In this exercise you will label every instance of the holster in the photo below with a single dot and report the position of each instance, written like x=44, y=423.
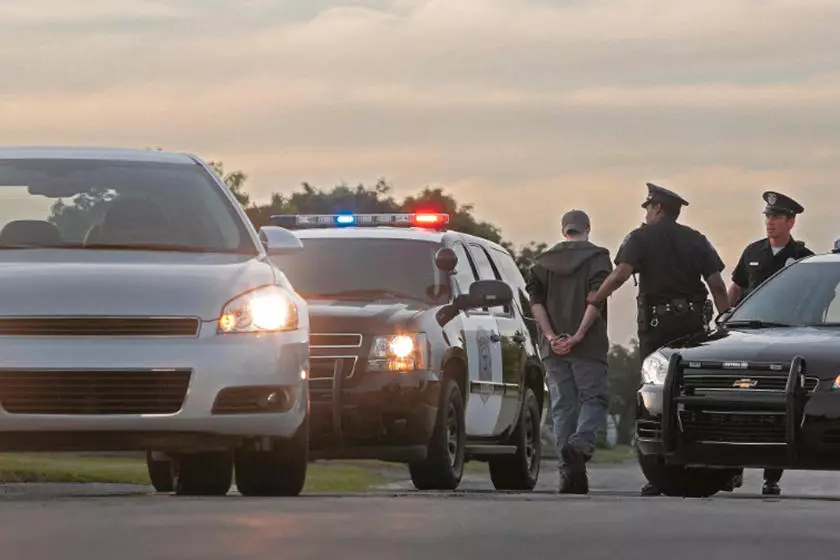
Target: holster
x=644, y=314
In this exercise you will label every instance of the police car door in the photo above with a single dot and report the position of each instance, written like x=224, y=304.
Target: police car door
x=484, y=357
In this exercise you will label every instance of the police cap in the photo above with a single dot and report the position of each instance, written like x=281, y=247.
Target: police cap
x=779, y=204
x=657, y=194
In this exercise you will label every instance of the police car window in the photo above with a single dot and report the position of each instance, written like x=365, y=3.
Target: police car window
x=367, y=269
x=801, y=294
x=486, y=271
x=464, y=273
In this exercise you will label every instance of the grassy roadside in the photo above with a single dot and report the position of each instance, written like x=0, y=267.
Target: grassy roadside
x=61, y=467
x=333, y=476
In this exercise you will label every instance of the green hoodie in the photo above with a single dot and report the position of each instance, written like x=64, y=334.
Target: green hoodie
x=561, y=278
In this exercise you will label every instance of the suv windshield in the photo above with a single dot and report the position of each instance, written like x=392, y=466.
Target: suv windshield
x=100, y=204
x=367, y=269
x=802, y=294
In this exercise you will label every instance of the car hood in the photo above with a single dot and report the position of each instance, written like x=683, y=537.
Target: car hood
x=819, y=346
x=92, y=282
x=348, y=316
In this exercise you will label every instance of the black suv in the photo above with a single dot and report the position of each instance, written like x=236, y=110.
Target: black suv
x=422, y=347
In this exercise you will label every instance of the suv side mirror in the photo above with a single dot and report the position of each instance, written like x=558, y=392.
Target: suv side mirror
x=279, y=241
x=483, y=293
x=721, y=317
x=446, y=260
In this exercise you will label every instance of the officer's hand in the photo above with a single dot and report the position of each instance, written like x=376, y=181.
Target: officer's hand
x=590, y=299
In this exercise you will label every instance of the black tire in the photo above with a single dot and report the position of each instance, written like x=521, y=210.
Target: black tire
x=160, y=473
x=443, y=467
x=521, y=471
x=203, y=474
x=279, y=472
x=686, y=482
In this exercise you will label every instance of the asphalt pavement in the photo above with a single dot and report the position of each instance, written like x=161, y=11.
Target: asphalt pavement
x=93, y=522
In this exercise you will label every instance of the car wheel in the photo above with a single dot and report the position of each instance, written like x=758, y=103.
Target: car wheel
x=443, y=467
x=279, y=472
x=203, y=474
x=160, y=473
x=521, y=471
x=687, y=482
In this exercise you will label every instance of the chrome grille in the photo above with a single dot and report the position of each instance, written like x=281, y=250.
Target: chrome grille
x=99, y=326
x=742, y=381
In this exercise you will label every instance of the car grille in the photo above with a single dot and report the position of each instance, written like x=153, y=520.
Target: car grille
x=337, y=340
x=733, y=427
x=95, y=392
x=324, y=368
x=712, y=381
x=98, y=326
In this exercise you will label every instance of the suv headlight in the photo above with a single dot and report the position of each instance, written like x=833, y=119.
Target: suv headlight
x=655, y=369
x=399, y=352
x=266, y=309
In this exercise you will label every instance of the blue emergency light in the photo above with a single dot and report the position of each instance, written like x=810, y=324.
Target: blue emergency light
x=300, y=221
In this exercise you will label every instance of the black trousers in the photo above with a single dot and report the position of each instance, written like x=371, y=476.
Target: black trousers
x=670, y=327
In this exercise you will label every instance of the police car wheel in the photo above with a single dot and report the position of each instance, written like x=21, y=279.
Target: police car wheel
x=160, y=472
x=203, y=474
x=443, y=467
x=521, y=471
x=675, y=480
x=279, y=472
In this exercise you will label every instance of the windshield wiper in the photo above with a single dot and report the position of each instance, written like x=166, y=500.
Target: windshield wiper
x=365, y=294
x=755, y=324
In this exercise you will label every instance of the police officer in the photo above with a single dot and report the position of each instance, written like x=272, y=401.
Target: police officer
x=760, y=260
x=672, y=260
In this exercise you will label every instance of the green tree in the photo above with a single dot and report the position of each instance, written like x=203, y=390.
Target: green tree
x=235, y=181
x=624, y=378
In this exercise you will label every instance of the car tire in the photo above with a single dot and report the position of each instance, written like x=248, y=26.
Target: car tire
x=679, y=481
x=279, y=472
x=443, y=467
x=203, y=474
x=160, y=473
x=521, y=471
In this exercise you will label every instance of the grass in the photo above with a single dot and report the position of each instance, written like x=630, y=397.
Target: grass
x=61, y=467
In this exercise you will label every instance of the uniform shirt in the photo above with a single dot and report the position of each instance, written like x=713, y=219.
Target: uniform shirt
x=672, y=261
x=758, y=262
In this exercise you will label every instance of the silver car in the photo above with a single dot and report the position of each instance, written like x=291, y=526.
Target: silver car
x=139, y=310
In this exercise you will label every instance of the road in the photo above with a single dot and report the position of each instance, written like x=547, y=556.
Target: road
x=40, y=522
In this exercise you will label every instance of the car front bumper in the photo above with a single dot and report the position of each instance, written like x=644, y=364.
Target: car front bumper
x=99, y=394
x=384, y=415
x=794, y=429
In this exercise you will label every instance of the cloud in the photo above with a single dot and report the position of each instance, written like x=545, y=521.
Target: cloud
x=522, y=107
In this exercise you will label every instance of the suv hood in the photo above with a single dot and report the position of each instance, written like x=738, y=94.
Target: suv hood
x=95, y=282
x=819, y=346
x=350, y=316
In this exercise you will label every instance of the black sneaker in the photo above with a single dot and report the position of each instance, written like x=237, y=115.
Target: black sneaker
x=650, y=490
x=576, y=469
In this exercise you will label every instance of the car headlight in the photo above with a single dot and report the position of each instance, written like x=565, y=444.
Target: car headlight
x=399, y=352
x=266, y=309
x=655, y=369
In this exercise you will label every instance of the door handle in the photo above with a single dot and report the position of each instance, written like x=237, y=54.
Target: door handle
x=519, y=338
x=495, y=337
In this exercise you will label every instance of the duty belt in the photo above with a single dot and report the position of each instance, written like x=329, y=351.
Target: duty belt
x=674, y=307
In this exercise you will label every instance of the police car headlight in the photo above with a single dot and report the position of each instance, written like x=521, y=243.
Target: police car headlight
x=654, y=369
x=399, y=352
x=266, y=309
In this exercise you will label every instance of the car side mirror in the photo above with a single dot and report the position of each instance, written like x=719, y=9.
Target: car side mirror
x=279, y=241
x=483, y=293
x=722, y=317
x=446, y=260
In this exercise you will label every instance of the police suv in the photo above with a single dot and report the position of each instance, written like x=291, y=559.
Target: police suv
x=422, y=347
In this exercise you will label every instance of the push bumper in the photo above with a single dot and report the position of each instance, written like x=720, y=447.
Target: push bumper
x=382, y=415
x=795, y=427
x=114, y=394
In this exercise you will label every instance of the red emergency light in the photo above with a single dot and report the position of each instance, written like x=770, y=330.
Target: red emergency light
x=429, y=220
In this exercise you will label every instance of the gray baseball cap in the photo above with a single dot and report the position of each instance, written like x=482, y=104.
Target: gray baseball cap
x=575, y=221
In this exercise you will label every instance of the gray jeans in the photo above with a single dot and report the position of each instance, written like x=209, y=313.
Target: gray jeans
x=579, y=402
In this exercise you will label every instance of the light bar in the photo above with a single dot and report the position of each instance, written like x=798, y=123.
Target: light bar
x=421, y=220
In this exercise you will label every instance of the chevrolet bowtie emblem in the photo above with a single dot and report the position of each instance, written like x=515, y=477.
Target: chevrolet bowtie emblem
x=745, y=384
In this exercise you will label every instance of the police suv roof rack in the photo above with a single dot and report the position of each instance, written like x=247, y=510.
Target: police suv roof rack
x=431, y=220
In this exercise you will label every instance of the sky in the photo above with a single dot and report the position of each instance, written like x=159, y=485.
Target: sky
x=523, y=108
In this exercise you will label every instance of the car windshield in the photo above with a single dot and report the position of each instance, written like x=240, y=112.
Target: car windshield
x=802, y=294
x=102, y=204
x=367, y=269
